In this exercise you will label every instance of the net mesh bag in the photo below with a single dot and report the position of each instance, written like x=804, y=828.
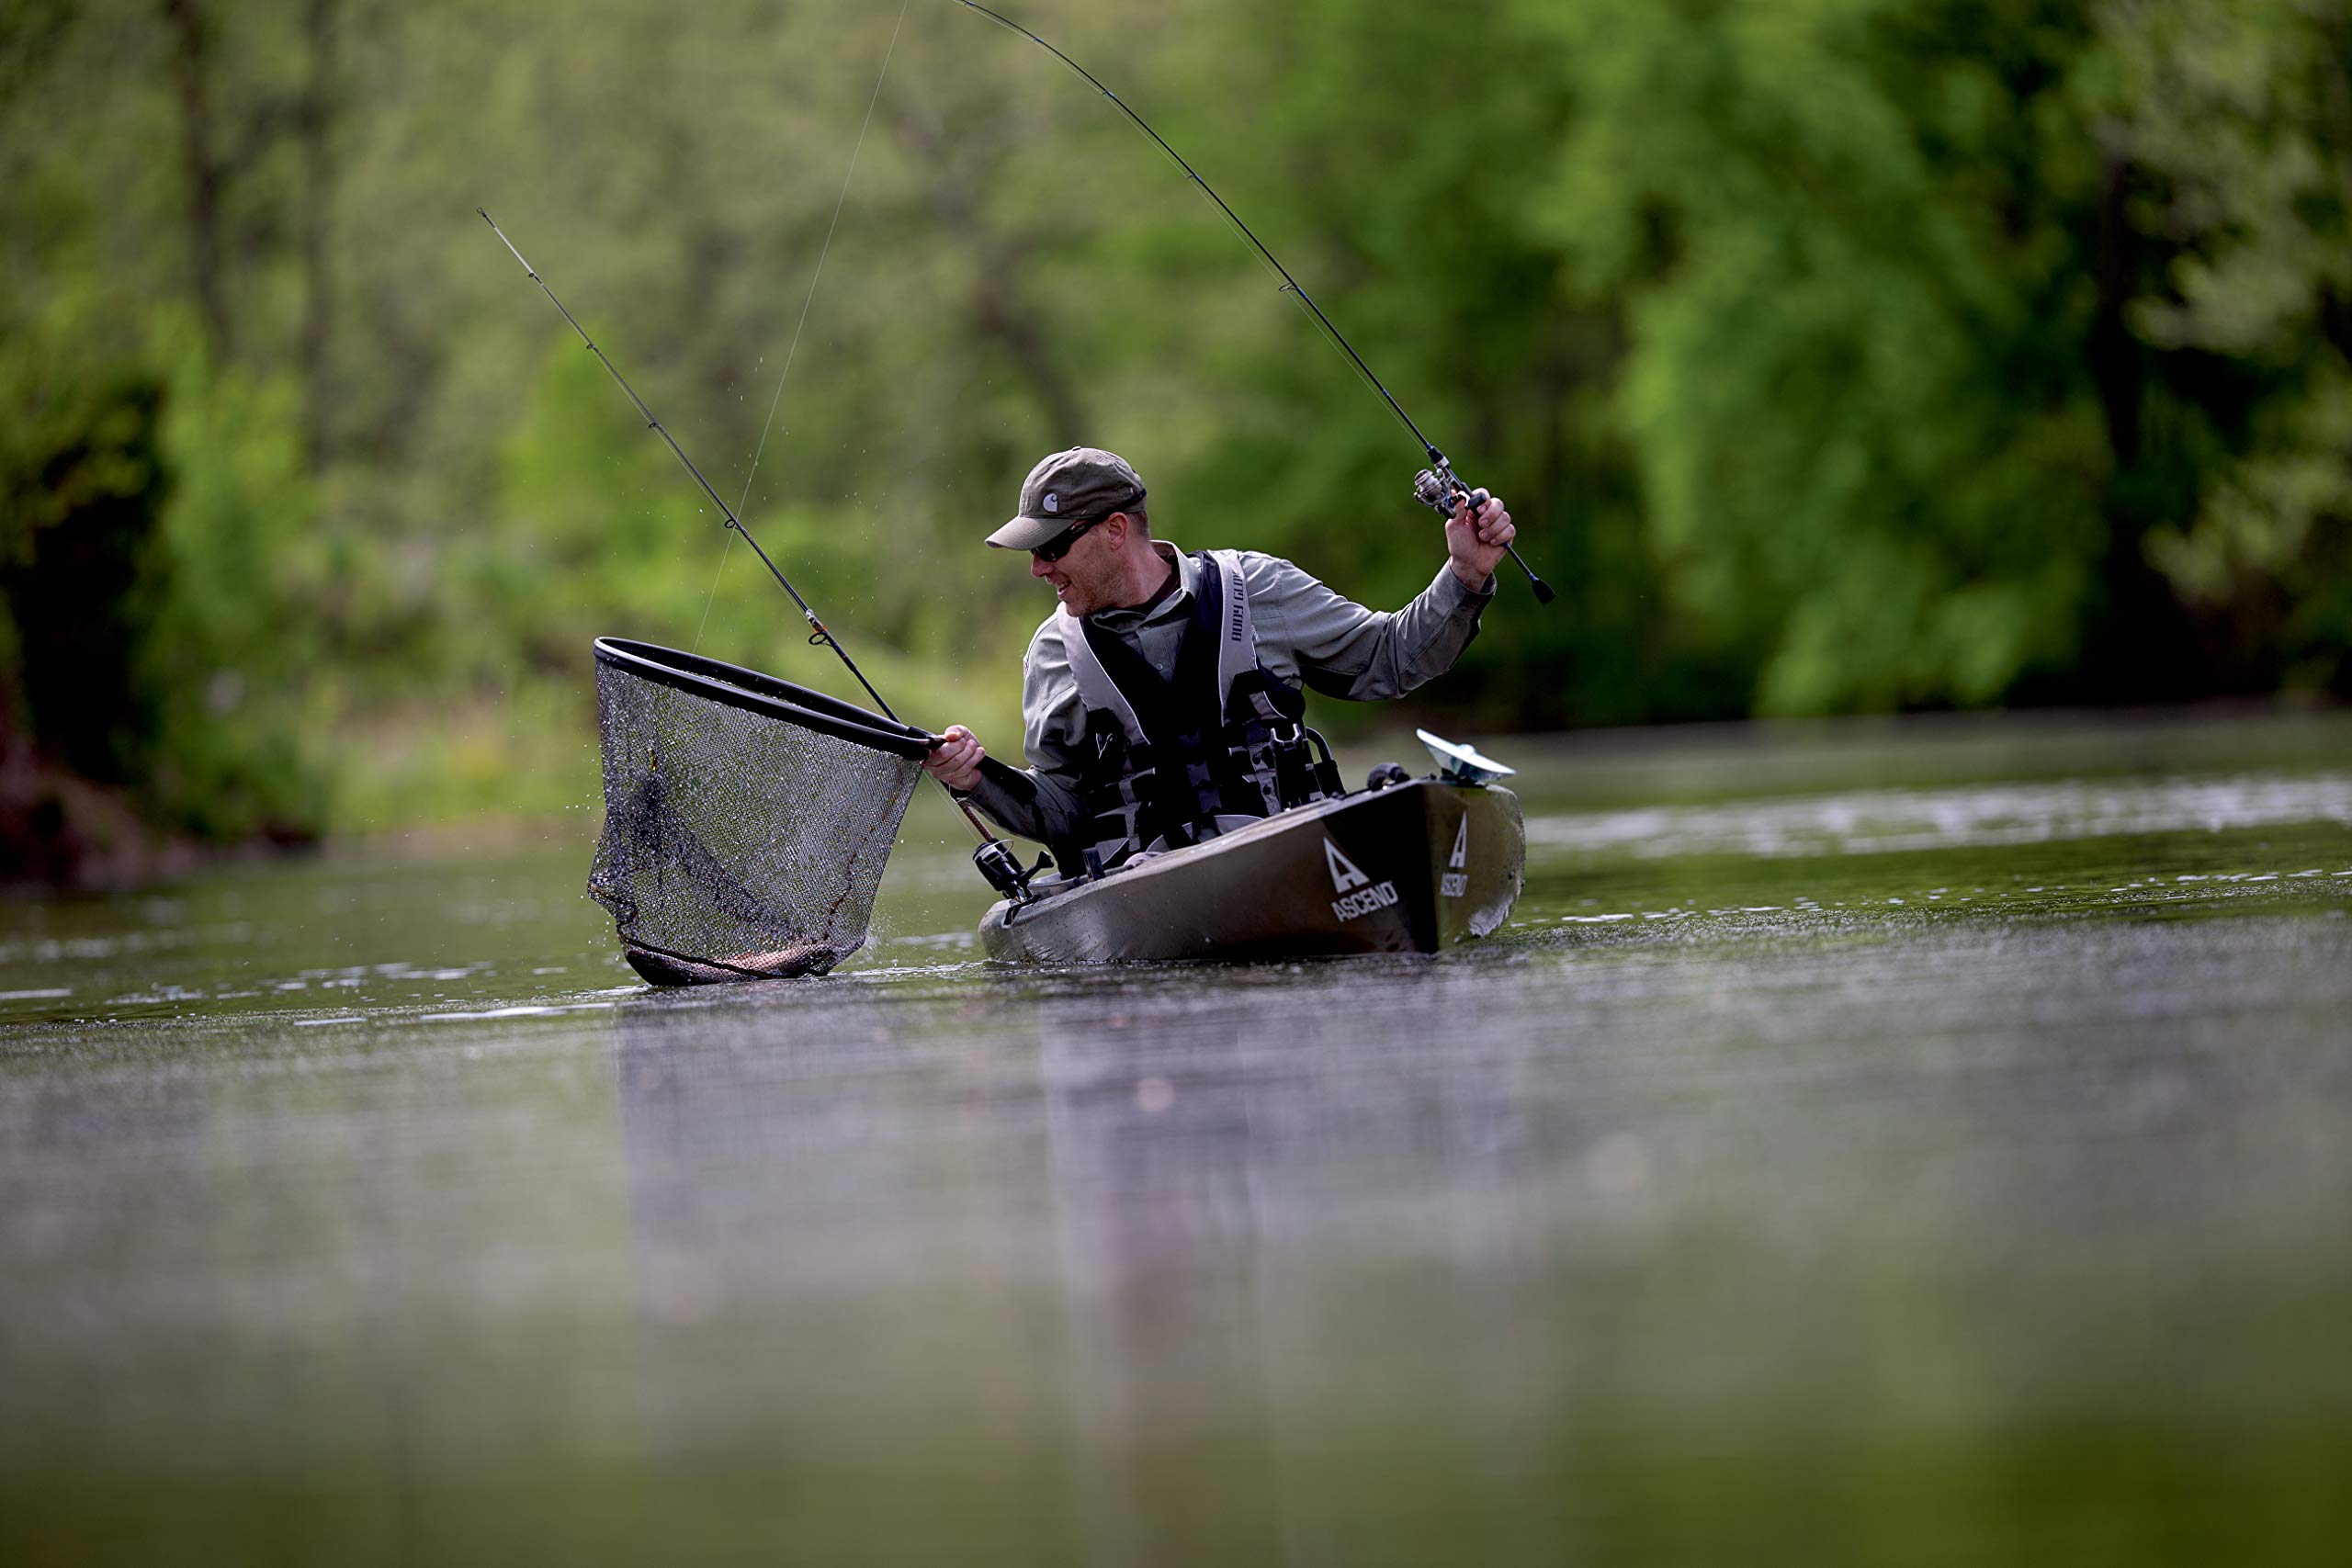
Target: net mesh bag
x=747, y=819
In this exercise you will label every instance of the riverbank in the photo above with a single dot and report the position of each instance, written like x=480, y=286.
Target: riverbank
x=61, y=833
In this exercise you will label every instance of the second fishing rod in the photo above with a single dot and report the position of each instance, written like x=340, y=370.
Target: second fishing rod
x=994, y=857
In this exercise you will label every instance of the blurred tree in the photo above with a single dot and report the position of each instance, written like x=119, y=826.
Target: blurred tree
x=1834, y=354
x=1380, y=152
x=154, y=634
x=1848, y=237
x=320, y=96
x=228, y=641
x=2241, y=113
x=82, y=482
x=193, y=40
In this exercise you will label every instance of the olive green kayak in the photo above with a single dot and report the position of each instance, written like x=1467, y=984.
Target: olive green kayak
x=1414, y=867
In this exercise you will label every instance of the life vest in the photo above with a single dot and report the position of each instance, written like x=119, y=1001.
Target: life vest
x=1174, y=762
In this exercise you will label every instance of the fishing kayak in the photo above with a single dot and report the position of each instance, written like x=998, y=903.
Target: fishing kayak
x=1414, y=867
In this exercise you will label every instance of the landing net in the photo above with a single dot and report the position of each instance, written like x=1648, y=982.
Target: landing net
x=747, y=819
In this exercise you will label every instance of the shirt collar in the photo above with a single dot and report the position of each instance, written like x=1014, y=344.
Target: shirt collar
x=1178, y=603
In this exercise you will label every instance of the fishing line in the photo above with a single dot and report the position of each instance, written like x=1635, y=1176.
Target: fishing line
x=776, y=402
x=817, y=632
x=994, y=859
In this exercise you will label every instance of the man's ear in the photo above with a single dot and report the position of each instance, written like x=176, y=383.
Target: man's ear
x=1121, y=526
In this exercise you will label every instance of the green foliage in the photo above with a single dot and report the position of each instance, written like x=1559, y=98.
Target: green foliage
x=1833, y=355
x=81, y=483
x=154, y=561
x=2244, y=111
x=227, y=636
x=1842, y=232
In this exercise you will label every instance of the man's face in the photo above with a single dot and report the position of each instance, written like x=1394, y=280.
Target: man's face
x=1083, y=577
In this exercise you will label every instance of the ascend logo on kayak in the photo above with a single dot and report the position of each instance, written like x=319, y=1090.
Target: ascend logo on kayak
x=1346, y=876
x=1456, y=883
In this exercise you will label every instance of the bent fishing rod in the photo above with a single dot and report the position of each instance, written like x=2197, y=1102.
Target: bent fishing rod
x=1435, y=487
x=994, y=857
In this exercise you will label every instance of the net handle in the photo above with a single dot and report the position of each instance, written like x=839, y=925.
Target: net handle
x=736, y=687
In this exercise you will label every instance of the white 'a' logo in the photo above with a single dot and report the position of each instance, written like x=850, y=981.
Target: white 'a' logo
x=1344, y=874
x=1461, y=845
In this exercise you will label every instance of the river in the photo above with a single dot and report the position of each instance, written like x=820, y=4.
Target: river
x=1924, y=1142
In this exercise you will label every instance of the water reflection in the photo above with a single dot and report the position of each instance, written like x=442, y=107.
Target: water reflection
x=1967, y=1198
x=1128, y=1224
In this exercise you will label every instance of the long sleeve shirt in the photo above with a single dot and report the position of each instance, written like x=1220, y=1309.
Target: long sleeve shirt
x=1306, y=632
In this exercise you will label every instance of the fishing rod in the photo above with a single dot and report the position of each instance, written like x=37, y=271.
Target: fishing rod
x=1435, y=487
x=994, y=857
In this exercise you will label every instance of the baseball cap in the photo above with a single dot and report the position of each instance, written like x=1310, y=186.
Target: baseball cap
x=1070, y=487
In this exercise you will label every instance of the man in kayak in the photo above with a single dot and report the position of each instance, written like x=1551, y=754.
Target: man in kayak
x=1161, y=699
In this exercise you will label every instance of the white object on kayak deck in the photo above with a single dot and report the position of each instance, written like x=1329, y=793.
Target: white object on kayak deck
x=1462, y=764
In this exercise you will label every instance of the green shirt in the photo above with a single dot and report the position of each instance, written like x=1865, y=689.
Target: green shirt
x=1305, y=631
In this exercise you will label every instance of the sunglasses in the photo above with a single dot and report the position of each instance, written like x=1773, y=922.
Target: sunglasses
x=1052, y=550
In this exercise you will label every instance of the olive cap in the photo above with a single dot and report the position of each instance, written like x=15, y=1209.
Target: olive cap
x=1076, y=486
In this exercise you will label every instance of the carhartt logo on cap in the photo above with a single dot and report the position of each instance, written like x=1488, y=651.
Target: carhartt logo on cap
x=1084, y=484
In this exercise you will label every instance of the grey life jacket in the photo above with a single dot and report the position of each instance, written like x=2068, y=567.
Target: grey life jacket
x=1178, y=761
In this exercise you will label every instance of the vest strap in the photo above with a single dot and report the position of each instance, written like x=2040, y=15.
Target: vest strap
x=1182, y=760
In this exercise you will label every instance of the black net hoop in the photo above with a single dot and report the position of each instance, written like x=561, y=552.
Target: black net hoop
x=747, y=819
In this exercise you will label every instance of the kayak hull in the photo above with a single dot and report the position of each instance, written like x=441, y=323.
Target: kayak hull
x=1413, y=868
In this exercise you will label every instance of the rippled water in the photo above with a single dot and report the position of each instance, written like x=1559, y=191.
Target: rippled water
x=1871, y=1142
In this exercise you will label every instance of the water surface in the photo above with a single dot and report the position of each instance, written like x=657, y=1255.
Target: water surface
x=1923, y=1141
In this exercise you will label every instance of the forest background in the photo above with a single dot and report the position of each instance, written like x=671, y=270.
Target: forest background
x=1834, y=355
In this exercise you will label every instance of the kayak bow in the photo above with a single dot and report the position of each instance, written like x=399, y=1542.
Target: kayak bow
x=1413, y=868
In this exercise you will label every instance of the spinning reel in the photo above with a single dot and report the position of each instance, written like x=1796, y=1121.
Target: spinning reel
x=1438, y=489
x=997, y=862
x=1441, y=493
